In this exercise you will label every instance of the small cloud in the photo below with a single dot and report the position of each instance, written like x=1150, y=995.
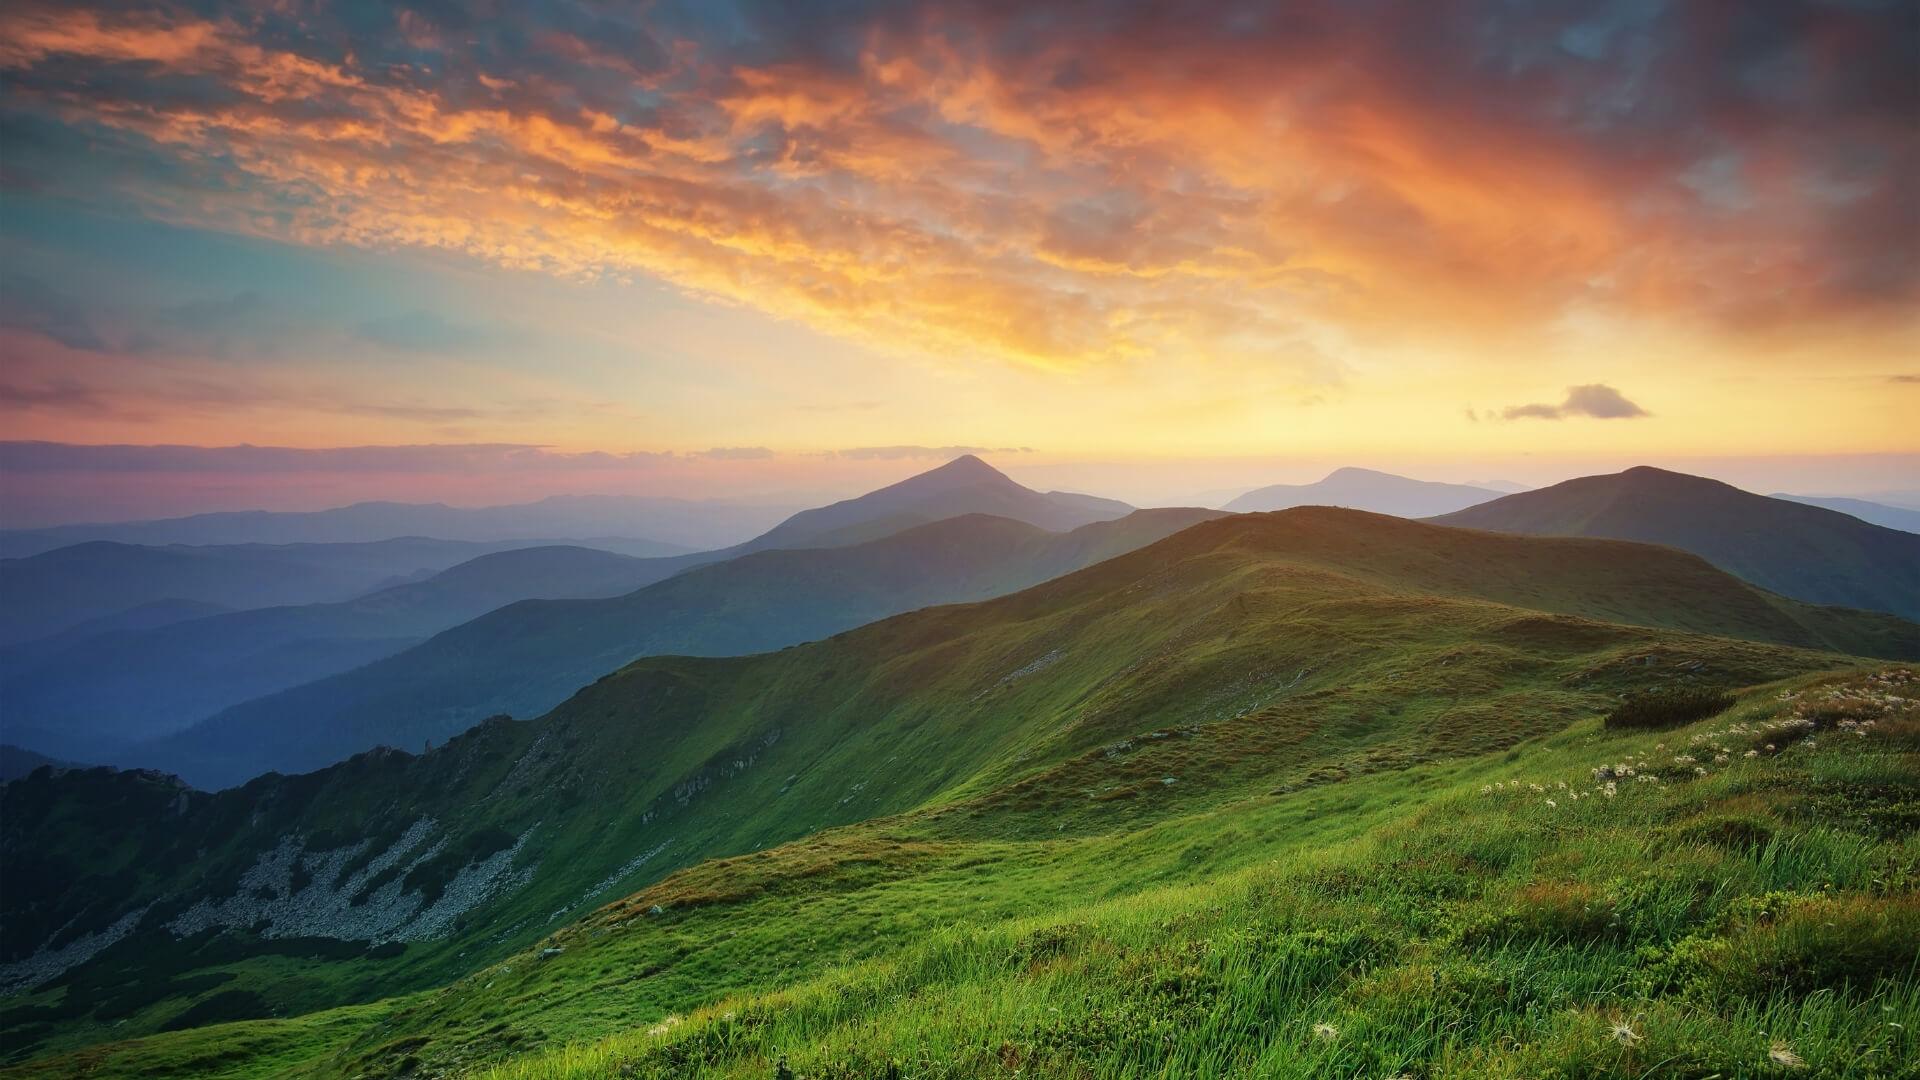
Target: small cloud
x=734, y=453
x=1601, y=402
x=1596, y=400
x=1904, y=378
x=59, y=396
x=1535, y=412
x=898, y=453
x=419, y=331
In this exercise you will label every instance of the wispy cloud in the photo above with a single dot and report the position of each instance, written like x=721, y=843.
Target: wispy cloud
x=1596, y=400
x=897, y=453
x=58, y=395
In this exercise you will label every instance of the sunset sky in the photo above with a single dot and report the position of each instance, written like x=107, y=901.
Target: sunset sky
x=730, y=248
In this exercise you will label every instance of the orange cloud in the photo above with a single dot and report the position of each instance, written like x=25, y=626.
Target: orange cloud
x=1144, y=196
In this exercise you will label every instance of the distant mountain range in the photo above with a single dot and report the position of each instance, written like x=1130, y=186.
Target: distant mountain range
x=670, y=525
x=1891, y=517
x=1365, y=489
x=77, y=693
x=1806, y=552
x=1224, y=666
x=154, y=669
x=56, y=591
x=525, y=658
x=221, y=695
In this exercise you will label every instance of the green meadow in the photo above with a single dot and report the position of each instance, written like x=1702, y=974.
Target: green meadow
x=1309, y=794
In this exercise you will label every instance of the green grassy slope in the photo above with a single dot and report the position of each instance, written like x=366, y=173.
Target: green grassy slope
x=1509, y=915
x=526, y=658
x=1261, y=657
x=1806, y=552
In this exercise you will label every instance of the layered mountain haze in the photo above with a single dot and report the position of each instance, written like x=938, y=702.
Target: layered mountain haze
x=1807, y=552
x=525, y=658
x=1256, y=669
x=57, y=590
x=148, y=616
x=1891, y=517
x=89, y=695
x=1366, y=489
x=131, y=682
x=644, y=525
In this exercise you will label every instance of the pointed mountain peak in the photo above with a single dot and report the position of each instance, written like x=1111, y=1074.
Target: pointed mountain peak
x=964, y=470
x=968, y=464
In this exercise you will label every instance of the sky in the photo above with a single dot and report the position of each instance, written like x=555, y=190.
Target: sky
x=483, y=251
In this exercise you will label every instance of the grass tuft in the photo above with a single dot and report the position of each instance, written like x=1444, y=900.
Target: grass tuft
x=1667, y=708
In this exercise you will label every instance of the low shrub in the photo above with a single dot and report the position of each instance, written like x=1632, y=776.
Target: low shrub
x=1799, y=944
x=1667, y=708
x=1744, y=834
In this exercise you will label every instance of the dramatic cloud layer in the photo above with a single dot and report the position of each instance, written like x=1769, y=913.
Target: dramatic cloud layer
x=1089, y=183
x=1351, y=231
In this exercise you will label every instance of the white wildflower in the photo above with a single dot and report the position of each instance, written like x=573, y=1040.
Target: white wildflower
x=665, y=1026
